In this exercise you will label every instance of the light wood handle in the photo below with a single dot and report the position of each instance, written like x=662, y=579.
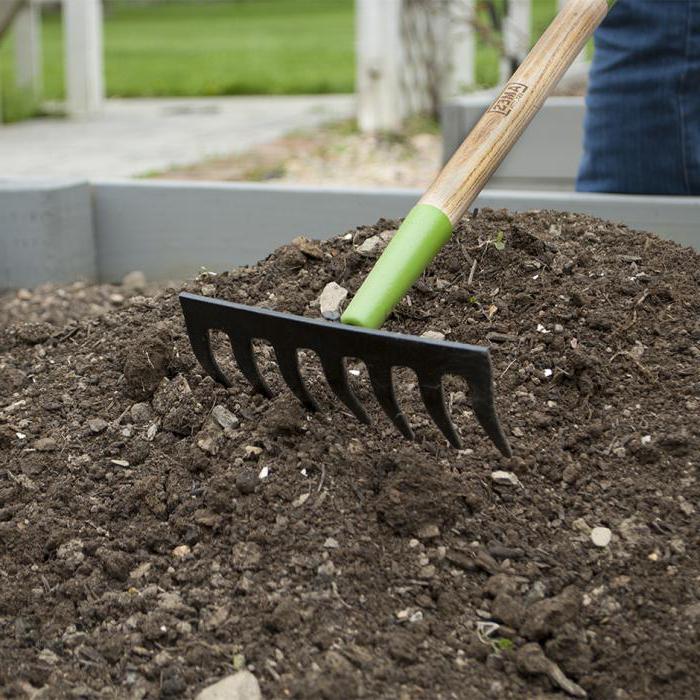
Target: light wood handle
x=466, y=173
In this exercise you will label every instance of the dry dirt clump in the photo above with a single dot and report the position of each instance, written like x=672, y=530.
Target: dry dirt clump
x=159, y=532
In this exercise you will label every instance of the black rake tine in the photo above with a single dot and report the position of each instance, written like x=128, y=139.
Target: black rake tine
x=243, y=352
x=201, y=347
x=482, y=400
x=288, y=363
x=430, y=385
x=380, y=377
x=334, y=370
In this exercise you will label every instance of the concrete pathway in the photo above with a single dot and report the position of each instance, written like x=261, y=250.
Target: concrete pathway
x=138, y=136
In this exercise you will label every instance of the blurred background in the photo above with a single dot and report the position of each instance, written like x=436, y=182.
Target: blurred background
x=311, y=91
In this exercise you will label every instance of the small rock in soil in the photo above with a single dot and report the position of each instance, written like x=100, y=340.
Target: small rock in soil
x=428, y=531
x=502, y=478
x=544, y=618
x=331, y=301
x=97, y=425
x=182, y=551
x=224, y=417
x=252, y=451
x=601, y=536
x=371, y=245
x=45, y=444
x=433, y=335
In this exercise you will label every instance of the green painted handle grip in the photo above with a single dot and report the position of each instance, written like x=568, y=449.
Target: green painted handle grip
x=424, y=231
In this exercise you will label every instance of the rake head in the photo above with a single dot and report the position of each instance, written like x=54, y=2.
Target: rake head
x=332, y=342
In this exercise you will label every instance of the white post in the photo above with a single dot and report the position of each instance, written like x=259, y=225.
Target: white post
x=380, y=100
x=28, y=67
x=516, y=36
x=463, y=47
x=82, y=26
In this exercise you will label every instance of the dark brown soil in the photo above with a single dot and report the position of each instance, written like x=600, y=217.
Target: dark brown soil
x=142, y=556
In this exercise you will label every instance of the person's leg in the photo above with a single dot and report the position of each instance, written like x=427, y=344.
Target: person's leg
x=690, y=102
x=642, y=129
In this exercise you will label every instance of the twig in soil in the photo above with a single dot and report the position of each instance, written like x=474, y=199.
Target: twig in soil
x=643, y=296
x=67, y=335
x=470, y=279
x=629, y=325
x=99, y=529
x=323, y=478
x=512, y=362
x=416, y=582
x=271, y=670
x=629, y=355
x=334, y=588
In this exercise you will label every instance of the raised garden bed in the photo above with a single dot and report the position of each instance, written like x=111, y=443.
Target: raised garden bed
x=53, y=231
x=546, y=157
x=146, y=550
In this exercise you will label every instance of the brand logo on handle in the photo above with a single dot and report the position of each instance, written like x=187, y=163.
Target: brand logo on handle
x=511, y=95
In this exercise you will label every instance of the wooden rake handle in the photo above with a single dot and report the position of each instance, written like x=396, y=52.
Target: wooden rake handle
x=430, y=223
x=464, y=176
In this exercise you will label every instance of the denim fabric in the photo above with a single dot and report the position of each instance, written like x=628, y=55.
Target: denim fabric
x=642, y=128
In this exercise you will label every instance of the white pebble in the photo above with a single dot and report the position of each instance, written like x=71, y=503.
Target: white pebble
x=433, y=335
x=505, y=478
x=331, y=300
x=601, y=536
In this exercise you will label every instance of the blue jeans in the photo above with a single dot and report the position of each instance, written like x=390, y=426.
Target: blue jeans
x=642, y=128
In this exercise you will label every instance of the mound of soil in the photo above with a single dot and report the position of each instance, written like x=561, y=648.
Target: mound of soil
x=159, y=532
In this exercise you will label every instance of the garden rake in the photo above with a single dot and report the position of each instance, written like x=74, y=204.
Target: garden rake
x=424, y=231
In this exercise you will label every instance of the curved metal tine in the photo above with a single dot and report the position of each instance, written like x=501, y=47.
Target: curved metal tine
x=243, y=352
x=482, y=400
x=430, y=385
x=334, y=369
x=380, y=377
x=200, y=340
x=288, y=363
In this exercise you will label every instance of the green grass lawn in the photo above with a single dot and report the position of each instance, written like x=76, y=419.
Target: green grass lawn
x=232, y=47
x=223, y=48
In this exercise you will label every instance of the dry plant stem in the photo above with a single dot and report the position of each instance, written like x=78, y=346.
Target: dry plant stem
x=470, y=279
x=482, y=152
